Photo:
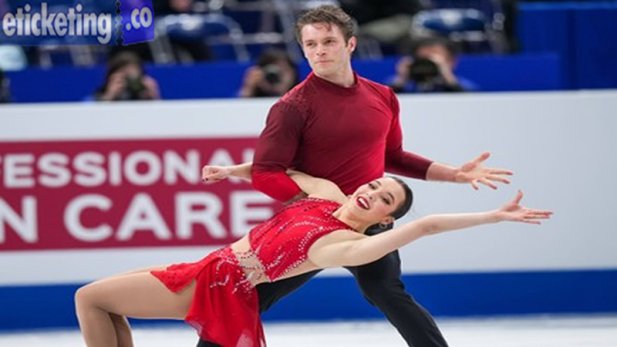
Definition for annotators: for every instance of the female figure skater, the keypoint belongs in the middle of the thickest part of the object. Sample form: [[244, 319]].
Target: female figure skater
[[217, 294]]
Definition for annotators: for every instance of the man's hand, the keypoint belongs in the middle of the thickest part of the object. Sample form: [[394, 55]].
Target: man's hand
[[475, 173]]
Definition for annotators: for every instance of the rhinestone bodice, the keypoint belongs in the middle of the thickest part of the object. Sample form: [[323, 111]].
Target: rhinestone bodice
[[281, 244]]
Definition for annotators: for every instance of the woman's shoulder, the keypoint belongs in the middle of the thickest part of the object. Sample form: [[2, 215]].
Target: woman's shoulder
[[330, 193], [313, 200]]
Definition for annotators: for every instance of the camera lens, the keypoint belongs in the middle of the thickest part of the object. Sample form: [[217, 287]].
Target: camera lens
[[133, 87], [272, 73], [423, 70]]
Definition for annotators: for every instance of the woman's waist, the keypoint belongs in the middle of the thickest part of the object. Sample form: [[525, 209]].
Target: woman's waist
[[248, 260]]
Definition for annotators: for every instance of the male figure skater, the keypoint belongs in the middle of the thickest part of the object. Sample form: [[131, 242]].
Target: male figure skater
[[345, 128]]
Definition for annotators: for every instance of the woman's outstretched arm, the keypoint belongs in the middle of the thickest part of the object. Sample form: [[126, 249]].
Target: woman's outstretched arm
[[340, 250]]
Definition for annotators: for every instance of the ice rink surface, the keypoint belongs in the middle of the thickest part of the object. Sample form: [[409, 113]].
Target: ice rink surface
[[573, 331]]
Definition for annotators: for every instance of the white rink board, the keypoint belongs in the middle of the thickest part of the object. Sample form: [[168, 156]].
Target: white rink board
[[560, 145]]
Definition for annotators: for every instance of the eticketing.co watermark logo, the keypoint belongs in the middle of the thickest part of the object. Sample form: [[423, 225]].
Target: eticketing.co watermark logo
[[76, 22]]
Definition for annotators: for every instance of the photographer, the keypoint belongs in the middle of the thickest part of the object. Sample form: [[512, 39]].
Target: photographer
[[5, 88], [126, 80], [274, 75], [430, 69]]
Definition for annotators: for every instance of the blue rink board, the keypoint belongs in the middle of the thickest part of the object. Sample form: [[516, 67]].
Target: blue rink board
[[327, 298]]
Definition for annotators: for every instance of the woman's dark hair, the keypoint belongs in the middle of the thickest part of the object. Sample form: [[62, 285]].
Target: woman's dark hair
[[404, 207]]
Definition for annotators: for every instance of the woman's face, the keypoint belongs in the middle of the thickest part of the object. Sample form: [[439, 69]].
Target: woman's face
[[377, 199]]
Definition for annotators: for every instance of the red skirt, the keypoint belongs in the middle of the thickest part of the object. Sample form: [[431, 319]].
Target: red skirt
[[225, 307]]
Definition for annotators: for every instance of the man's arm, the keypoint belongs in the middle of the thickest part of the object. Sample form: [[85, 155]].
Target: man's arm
[[317, 187], [275, 152], [472, 172], [412, 165], [399, 161]]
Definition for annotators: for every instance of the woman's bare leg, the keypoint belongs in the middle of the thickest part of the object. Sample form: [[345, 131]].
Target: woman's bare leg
[[121, 324], [137, 294], [122, 329]]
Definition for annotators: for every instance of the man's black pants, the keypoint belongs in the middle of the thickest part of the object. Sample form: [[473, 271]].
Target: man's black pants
[[381, 285]]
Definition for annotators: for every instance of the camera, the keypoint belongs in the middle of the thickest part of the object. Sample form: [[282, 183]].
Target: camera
[[424, 71], [133, 88], [428, 78], [272, 73]]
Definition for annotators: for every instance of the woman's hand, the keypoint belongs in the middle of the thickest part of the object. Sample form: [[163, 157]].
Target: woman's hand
[[213, 173], [513, 211]]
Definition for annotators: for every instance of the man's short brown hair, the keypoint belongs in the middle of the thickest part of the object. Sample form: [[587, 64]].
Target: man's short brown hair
[[330, 15]]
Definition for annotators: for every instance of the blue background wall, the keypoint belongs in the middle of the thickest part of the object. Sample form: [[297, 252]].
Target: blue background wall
[[564, 45], [223, 79], [581, 33], [476, 294]]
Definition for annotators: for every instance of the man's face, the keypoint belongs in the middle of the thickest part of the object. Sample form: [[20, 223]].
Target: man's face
[[325, 48]]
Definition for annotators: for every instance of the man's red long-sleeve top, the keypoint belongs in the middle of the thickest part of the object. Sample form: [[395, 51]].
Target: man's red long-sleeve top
[[347, 135]]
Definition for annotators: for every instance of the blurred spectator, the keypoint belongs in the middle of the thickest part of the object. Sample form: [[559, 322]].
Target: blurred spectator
[[186, 48], [430, 69], [274, 75], [164, 7], [4, 7], [12, 58], [387, 21], [5, 88], [126, 80], [510, 13]]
